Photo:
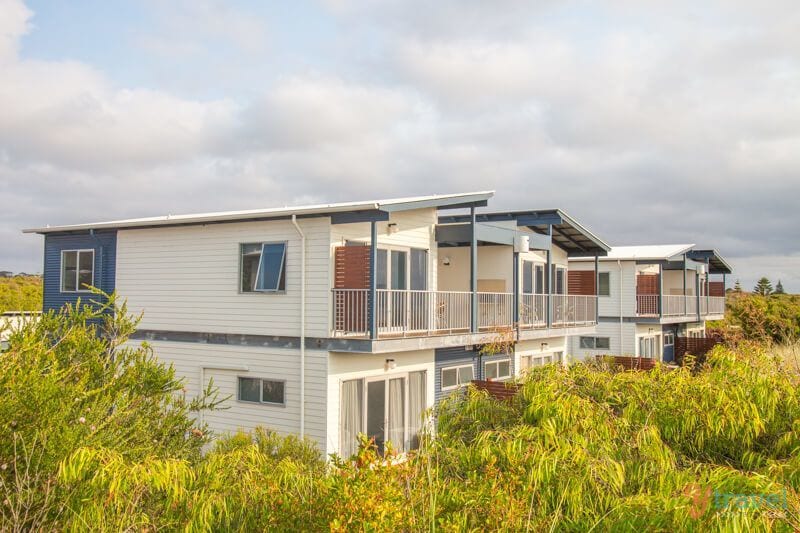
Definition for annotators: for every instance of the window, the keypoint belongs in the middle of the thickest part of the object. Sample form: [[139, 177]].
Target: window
[[390, 408], [527, 277], [259, 390], [457, 376], [77, 270], [596, 343], [559, 277], [649, 347], [669, 339], [263, 267], [539, 278], [497, 369], [604, 284], [526, 362]]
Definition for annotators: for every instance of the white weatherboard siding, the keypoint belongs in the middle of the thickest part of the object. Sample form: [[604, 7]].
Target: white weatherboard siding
[[346, 366], [269, 363], [414, 229], [536, 348], [187, 278], [622, 279], [620, 345]]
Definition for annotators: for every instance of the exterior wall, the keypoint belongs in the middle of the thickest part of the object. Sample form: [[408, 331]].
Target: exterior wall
[[415, 229], [494, 263], [345, 366], [279, 364], [186, 278], [673, 282], [535, 348], [622, 283], [621, 344], [104, 244]]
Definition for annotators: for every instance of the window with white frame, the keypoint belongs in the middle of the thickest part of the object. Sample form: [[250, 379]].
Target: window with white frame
[[604, 284], [457, 376], [527, 362], [649, 347], [263, 267], [669, 339], [259, 390], [595, 343], [493, 370], [77, 270]]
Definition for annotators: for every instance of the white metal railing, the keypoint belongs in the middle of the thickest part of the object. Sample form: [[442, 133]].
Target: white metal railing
[[573, 310], [675, 305], [401, 312], [716, 305], [703, 305], [533, 310], [647, 304], [495, 309]]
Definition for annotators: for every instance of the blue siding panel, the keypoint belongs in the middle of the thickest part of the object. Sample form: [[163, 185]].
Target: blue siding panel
[[104, 244], [447, 357]]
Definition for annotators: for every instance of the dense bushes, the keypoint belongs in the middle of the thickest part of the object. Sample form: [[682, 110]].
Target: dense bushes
[[578, 448], [21, 293], [773, 318]]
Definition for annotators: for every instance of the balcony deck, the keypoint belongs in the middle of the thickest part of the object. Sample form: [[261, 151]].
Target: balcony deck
[[407, 313], [678, 306]]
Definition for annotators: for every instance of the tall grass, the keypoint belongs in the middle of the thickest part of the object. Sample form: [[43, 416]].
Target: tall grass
[[583, 448]]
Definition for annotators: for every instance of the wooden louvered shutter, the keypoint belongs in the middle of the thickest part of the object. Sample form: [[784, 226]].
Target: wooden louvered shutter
[[581, 282], [647, 284], [716, 288], [351, 271]]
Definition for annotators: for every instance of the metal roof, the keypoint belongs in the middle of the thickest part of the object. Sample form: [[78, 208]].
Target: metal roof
[[441, 201], [662, 252], [717, 265], [568, 233]]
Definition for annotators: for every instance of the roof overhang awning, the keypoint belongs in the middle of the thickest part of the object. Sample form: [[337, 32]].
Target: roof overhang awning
[[716, 264], [563, 230], [460, 234]]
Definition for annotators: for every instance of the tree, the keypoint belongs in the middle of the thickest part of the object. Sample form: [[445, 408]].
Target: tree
[[737, 287], [779, 288], [763, 287]]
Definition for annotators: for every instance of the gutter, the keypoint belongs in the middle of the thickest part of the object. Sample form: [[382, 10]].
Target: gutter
[[302, 326]]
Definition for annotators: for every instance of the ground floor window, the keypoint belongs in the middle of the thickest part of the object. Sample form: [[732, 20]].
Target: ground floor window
[[454, 377], [649, 347], [595, 343], [385, 409], [526, 362], [669, 339], [494, 370]]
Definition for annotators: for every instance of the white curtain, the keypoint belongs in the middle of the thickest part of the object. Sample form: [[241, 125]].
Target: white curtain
[[352, 409], [396, 433], [416, 406]]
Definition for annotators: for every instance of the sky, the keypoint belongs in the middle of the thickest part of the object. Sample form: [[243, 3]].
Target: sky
[[649, 122]]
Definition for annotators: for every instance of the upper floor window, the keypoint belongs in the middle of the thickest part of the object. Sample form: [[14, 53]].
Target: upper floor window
[[604, 284], [77, 270], [263, 267]]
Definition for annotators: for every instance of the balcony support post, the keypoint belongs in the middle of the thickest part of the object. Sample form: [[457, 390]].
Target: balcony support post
[[685, 300], [697, 293], [548, 276], [597, 289], [515, 289], [660, 290], [473, 271], [708, 286], [373, 281]]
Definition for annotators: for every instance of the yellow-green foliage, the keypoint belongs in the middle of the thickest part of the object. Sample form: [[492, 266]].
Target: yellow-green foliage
[[579, 449], [21, 293], [765, 318]]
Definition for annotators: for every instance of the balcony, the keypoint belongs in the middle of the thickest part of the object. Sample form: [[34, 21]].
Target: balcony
[[671, 306], [408, 313]]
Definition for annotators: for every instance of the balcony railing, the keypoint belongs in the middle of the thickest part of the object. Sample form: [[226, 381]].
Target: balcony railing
[[678, 305], [400, 313], [716, 305]]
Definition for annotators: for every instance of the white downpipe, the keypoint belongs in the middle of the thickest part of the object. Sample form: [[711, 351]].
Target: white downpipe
[[203, 369], [302, 326], [621, 338]]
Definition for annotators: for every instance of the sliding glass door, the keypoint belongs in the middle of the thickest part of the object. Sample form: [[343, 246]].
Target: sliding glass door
[[390, 410]]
